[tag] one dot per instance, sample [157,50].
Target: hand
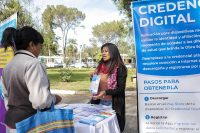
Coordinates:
[99,96]
[58,99]
[91,75]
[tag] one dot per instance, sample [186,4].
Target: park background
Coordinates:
[73,34]
[80,79]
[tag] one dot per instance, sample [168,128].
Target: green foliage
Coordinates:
[92,51]
[124,7]
[115,32]
[71,50]
[126,48]
[109,32]
[50,41]
[98,56]
[9,7]
[65,75]
[80,80]
[64,18]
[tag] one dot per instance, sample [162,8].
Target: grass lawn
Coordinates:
[80,79]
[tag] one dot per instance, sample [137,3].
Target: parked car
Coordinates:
[58,64]
[131,65]
[50,64]
[71,65]
[79,65]
[92,64]
[53,64]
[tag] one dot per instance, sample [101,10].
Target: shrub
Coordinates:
[65,75]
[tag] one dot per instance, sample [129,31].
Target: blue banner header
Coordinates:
[167,37]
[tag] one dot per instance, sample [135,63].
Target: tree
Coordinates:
[65,19]
[109,32]
[124,47]
[9,7]
[50,44]
[124,6]
[116,32]
[92,51]
[50,40]
[71,50]
[32,9]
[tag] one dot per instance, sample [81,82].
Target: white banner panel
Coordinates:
[167,38]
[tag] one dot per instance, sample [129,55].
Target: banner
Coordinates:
[9,22]
[5,57]
[167,38]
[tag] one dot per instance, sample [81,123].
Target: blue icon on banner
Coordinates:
[147,117]
[146,98]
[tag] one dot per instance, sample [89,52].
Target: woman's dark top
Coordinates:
[118,97]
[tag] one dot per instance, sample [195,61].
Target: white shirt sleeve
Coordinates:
[5,94]
[38,86]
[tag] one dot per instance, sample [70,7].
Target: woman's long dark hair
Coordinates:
[115,58]
[8,38]
[19,39]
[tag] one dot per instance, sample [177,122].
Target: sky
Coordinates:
[96,11]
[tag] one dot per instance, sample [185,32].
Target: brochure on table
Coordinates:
[167,39]
[88,113]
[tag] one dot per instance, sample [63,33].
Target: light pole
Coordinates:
[81,46]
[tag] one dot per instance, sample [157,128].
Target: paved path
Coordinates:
[131,107]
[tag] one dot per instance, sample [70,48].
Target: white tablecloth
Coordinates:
[108,125]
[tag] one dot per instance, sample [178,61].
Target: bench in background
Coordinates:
[133,78]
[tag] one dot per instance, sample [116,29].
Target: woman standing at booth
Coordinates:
[25,83]
[113,81]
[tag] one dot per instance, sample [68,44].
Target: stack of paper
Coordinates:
[92,120]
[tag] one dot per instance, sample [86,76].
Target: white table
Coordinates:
[108,125]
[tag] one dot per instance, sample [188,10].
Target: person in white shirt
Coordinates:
[26,87]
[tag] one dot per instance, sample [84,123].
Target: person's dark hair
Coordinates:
[20,38]
[8,37]
[115,58]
